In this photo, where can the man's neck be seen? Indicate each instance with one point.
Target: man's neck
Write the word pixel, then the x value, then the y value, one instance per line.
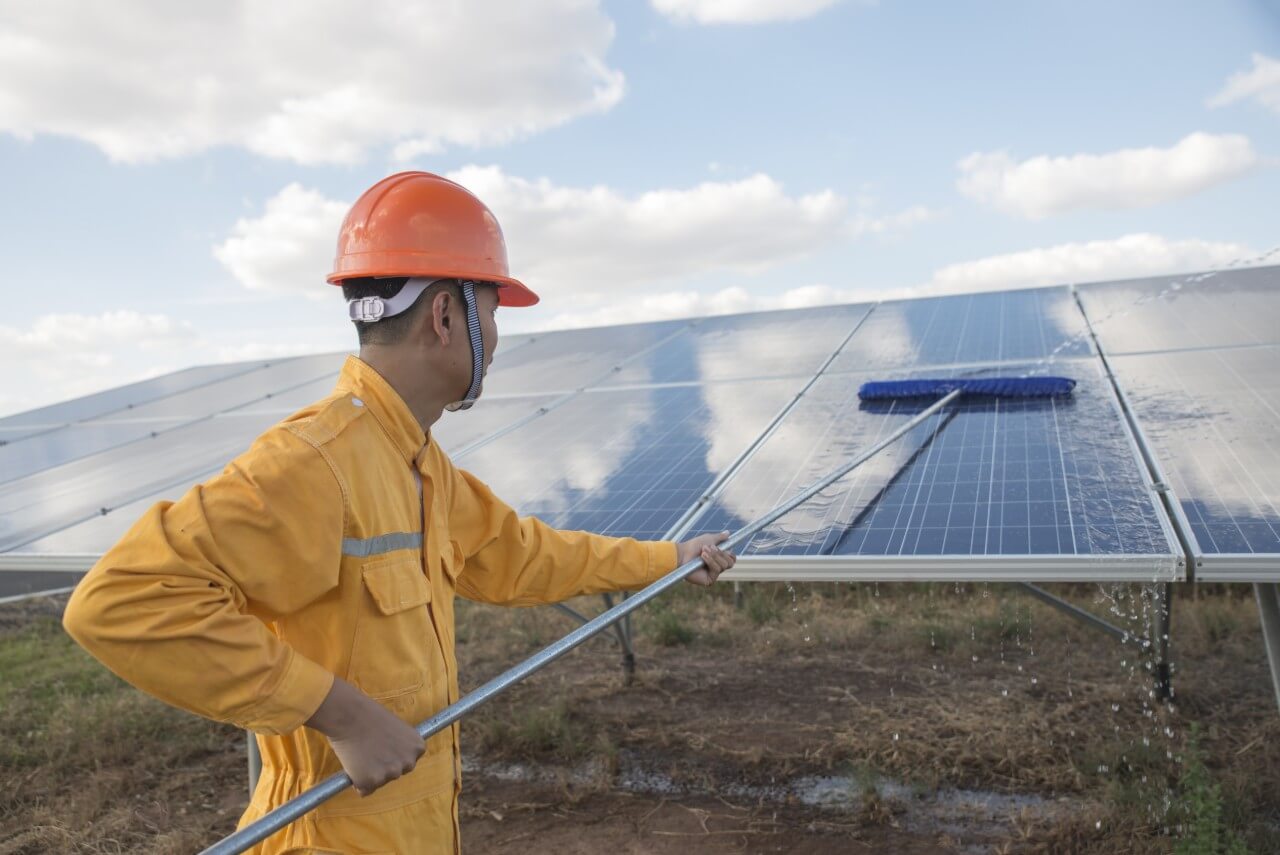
pixel 416 385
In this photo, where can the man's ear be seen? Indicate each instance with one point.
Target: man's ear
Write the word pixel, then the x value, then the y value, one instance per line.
pixel 441 315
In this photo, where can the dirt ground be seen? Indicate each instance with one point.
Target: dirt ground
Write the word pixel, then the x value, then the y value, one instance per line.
pixel 820 719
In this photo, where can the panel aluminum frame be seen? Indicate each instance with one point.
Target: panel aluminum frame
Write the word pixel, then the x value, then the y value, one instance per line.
pixel 955 568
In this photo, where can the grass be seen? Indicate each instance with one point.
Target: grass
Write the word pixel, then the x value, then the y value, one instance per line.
pixel 668 628
pixel 88 765
pixel 549 732
pixel 934 686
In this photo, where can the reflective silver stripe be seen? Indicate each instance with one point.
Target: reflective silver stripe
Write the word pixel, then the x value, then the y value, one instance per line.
pixel 382 543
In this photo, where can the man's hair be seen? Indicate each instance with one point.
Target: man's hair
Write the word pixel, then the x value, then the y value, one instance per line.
pixel 392 330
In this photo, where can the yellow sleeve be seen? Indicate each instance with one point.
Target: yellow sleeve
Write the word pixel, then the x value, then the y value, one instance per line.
pixel 513 560
pixel 177 607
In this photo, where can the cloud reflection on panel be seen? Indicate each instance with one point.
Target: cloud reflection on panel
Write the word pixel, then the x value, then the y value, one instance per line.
pixel 748 346
pixel 823 432
pixel 1211 417
pixel 1211 309
pixel 627 461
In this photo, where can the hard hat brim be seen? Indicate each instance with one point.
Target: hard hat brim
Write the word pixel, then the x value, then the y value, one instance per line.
pixel 511 292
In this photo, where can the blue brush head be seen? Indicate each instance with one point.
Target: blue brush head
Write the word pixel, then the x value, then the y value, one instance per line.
pixel 998 387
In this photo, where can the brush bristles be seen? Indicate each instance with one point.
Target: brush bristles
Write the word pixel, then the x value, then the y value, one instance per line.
pixel 998 387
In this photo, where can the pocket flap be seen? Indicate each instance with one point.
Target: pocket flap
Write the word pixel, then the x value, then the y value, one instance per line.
pixel 451 559
pixel 396 584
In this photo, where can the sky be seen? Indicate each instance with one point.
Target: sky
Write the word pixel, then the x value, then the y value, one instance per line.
pixel 173 175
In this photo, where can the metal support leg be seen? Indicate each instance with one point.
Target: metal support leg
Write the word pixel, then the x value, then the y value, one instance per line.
pixel 1160 625
pixel 255 762
pixel 1268 595
pixel 623 630
pixel 737 596
pixel 1078 613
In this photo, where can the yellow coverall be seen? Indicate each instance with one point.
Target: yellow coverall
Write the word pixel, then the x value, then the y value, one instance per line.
pixel 307 558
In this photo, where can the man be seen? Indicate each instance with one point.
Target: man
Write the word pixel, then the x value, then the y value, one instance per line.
pixel 306 593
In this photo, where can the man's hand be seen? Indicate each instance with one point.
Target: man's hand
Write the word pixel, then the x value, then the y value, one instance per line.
pixel 714 560
pixel 373 745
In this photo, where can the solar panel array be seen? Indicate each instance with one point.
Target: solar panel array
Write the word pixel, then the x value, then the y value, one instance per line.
pixel 661 429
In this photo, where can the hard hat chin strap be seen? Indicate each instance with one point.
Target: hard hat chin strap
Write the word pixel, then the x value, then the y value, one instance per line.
pixel 477 348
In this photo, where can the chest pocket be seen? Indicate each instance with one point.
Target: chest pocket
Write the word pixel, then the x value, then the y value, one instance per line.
pixel 389 656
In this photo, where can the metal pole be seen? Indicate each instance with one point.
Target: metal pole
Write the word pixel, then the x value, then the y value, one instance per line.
pixel 571 612
pixel 17 598
pixel 1160 627
pixel 331 786
pixel 1268 594
pixel 623 630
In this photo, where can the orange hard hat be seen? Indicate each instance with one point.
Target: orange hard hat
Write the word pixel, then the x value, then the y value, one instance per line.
pixel 417 224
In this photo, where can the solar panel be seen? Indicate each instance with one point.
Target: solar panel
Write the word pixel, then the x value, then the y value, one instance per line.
pixel 147 420
pixel 1217 309
pixel 565 361
pixel 61 445
pixel 54 498
pixel 672 405
pixel 1211 418
pixel 996 477
pixel 98 404
pixel 98 532
pixel 762 344
pixel 970 328
pixel 627 461
pixel 233 393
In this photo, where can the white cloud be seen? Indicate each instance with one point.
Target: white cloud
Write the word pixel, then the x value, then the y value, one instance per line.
pixel 1262 82
pixel 740 11
pixel 288 249
pixel 1091 261
pixel 1129 178
pixel 587 243
pixel 310 82
pixel 867 224
pixel 591 242
pixel 65 355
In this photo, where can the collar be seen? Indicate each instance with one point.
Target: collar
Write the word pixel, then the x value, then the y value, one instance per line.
pixel 371 388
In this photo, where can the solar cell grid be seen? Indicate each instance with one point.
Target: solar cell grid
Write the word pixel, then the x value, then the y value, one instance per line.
pixel 969 328
pixel 993 477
